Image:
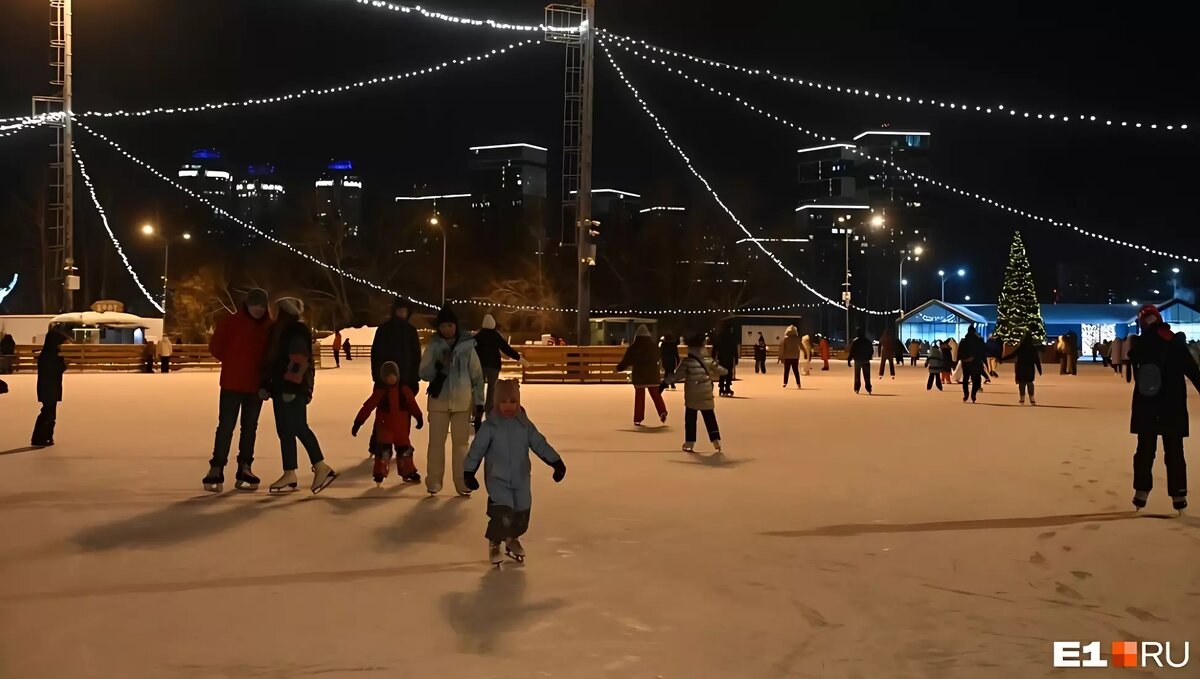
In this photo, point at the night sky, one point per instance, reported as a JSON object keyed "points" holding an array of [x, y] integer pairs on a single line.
{"points": [[1056, 57]]}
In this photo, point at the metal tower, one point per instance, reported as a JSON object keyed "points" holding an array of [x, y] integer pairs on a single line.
{"points": [[573, 25], [60, 261]]}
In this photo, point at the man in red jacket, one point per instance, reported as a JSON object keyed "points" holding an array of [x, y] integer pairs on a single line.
{"points": [[239, 343]]}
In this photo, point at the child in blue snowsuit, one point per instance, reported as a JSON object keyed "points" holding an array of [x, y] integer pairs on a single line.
{"points": [[504, 440]]}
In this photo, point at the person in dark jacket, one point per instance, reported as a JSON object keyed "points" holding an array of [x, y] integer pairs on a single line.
{"points": [[887, 353], [669, 349], [337, 348], [346, 348], [824, 350], [240, 344], [489, 344], [726, 349], [972, 354], [1029, 359], [995, 349], [396, 341], [1158, 363], [50, 369], [8, 354], [760, 356], [860, 353], [644, 360], [288, 379], [393, 405]]}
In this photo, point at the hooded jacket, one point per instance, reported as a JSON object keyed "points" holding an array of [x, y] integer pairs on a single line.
{"points": [[463, 386], [396, 341], [697, 371], [240, 343], [502, 445], [644, 358], [789, 348], [393, 406], [1164, 413]]}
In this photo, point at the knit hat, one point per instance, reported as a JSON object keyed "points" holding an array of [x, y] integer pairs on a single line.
{"points": [[507, 390], [643, 331], [389, 368], [489, 322], [290, 305], [446, 315], [257, 297]]}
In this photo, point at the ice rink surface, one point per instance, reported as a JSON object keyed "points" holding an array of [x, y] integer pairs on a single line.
{"points": [[905, 534]]}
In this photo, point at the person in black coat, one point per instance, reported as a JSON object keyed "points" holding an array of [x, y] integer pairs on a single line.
{"points": [[396, 341], [489, 344], [1028, 359], [669, 347], [1158, 363], [50, 369], [972, 354], [760, 356], [8, 354], [861, 352], [726, 345]]}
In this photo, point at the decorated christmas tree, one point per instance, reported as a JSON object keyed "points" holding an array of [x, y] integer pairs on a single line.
{"points": [[1018, 311]]}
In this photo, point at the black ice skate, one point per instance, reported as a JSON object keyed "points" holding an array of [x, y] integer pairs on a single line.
{"points": [[515, 551], [215, 480], [1179, 503], [245, 479], [1139, 498], [494, 553]]}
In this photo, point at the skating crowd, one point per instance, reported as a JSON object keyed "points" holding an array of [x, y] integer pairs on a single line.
{"points": [[270, 359]]}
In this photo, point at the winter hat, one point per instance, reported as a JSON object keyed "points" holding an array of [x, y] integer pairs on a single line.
{"points": [[257, 297], [507, 390], [489, 322], [643, 331], [446, 315], [290, 305], [389, 368], [1148, 316]]}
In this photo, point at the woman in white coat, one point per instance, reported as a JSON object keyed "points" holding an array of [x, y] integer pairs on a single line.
{"points": [[806, 354]]}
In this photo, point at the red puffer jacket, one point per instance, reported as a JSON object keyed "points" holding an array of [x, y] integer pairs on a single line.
{"points": [[392, 406], [239, 343]]}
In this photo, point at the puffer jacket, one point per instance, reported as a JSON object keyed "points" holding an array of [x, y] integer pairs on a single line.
{"points": [[789, 348], [697, 371], [462, 388], [240, 343], [504, 443], [288, 367], [935, 363], [645, 360]]}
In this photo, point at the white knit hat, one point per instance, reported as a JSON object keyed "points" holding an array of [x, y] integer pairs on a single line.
{"points": [[290, 305], [489, 322]]}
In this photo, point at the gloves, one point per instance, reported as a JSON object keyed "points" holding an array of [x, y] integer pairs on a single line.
{"points": [[525, 363], [264, 394], [288, 398], [470, 481], [420, 421], [478, 418], [356, 427], [560, 471]]}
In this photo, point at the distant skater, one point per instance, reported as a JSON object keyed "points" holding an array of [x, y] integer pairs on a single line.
{"points": [[789, 354], [972, 356], [50, 369], [644, 360], [1029, 360], [859, 355], [887, 353], [825, 352], [760, 355], [669, 350], [806, 356], [934, 363], [697, 372], [337, 348], [346, 348]]}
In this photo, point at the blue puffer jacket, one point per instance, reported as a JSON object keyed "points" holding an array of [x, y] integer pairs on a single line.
{"points": [[462, 389], [505, 443]]}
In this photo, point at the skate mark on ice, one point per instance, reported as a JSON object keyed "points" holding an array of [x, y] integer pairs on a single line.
{"points": [[1037, 558], [1093, 480], [257, 581], [1092, 526], [812, 615], [636, 625], [1047, 535], [482, 617], [852, 529], [24, 449], [1066, 591], [966, 593], [1110, 491], [622, 663], [1143, 615], [1081, 575], [1088, 608]]}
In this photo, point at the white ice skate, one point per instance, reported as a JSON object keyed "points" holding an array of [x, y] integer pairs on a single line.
{"points": [[284, 484], [515, 551], [494, 553], [689, 447], [323, 475]]}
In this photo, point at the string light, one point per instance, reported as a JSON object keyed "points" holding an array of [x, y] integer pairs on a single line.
{"points": [[916, 175], [640, 312], [248, 226], [87, 180], [381, 80], [490, 23], [997, 110], [688, 162]]}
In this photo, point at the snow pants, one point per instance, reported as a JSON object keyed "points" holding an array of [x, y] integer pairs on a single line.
{"points": [[230, 405], [505, 522], [1143, 463], [291, 423], [791, 365], [639, 403], [710, 423], [165, 364], [458, 427]]}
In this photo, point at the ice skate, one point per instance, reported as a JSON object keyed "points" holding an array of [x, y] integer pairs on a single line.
{"points": [[1179, 503], [379, 471], [464, 493], [1032, 402], [494, 553], [1022, 401], [285, 484], [689, 447], [663, 416], [215, 479], [323, 475], [245, 479], [717, 445], [1139, 498], [515, 551]]}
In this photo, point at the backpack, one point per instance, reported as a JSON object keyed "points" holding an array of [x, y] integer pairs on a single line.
{"points": [[1149, 379]]}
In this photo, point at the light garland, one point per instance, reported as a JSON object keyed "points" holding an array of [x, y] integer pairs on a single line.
{"points": [[998, 110], [28, 124], [640, 312], [490, 23], [346, 274], [312, 92], [87, 180], [688, 162], [915, 175]]}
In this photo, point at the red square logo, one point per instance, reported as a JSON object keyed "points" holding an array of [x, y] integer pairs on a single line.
{"points": [[1125, 654]]}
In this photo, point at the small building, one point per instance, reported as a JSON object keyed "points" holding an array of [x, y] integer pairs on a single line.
{"points": [[938, 320], [614, 331]]}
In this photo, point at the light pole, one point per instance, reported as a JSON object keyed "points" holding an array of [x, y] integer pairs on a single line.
{"points": [[148, 230], [1175, 282], [433, 221], [961, 273], [903, 287], [916, 251], [876, 221]]}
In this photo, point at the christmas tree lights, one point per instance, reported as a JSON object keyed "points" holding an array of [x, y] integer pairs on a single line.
{"points": [[1018, 311]]}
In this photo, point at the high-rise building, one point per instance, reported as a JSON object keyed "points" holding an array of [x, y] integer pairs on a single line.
{"points": [[339, 197], [206, 175], [508, 191], [260, 199]]}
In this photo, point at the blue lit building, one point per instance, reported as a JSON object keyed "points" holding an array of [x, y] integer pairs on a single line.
{"points": [[259, 199], [206, 174], [339, 198]]}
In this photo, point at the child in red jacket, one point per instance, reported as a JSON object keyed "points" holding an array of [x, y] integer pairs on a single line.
{"points": [[392, 406]]}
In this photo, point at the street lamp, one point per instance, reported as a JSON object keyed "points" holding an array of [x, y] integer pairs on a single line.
{"points": [[433, 221], [916, 251], [1175, 282], [942, 275], [149, 230]]}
